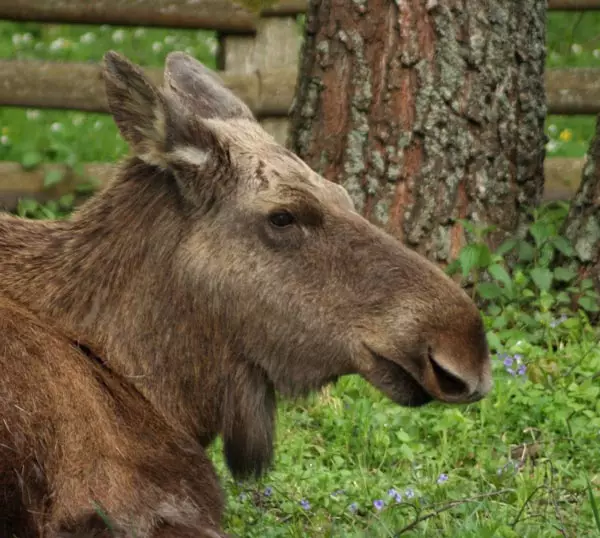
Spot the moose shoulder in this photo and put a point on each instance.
(218, 269)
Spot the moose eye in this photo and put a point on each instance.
(281, 219)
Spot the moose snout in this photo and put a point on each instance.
(457, 381)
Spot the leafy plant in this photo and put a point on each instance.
(530, 287)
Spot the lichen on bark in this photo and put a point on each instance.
(427, 112)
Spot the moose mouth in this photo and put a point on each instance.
(397, 383)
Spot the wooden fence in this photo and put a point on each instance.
(258, 59)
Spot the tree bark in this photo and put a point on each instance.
(427, 111)
(582, 225)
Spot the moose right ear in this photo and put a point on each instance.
(138, 108)
(202, 90)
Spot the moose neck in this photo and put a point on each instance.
(106, 277)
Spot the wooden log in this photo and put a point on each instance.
(268, 89)
(17, 183)
(563, 176)
(572, 91)
(573, 5)
(206, 14)
(77, 86)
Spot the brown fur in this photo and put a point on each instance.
(75, 437)
(178, 275)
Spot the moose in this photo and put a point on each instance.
(215, 271)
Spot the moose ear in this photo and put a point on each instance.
(202, 90)
(137, 106)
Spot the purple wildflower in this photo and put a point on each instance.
(442, 478)
(268, 491)
(397, 496)
(378, 504)
(353, 508)
(409, 493)
(508, 362)
(305, 504)
(522, 370)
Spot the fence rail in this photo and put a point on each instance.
(206, 14)
(79, 86)
(222, 15)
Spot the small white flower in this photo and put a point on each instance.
(56, 127)
(32, 114)
(87, 38)
(4, 140)
(170, 40)
(157, 47)
(576, 48)
(58, 44)
(140, 32)
(552, 146)
(17, 39)
(78, 120)
(98, 125)
(552, 129)
(596, 53)
(27, 38)
(118, 36)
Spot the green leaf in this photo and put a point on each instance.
(52, 177)
(31, 159)
(66, 201)
(453, 267)
(493, 340)
(587, 284)
(563, 245)
(499, 273)
(506, 247)
(26, 207)
(526, 251)
(564, 274)
(542, 278)
(468, 258)
(589, 304)
(488, 290)
(540, 232)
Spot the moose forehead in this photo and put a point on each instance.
(266, 167)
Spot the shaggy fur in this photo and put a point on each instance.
(218, 269)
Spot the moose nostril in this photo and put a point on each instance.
(449, 383)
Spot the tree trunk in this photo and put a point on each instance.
(582, 225)
(427, 111)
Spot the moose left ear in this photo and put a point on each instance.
(137, 106)
(202, 90)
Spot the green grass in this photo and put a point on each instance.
(345, 449)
